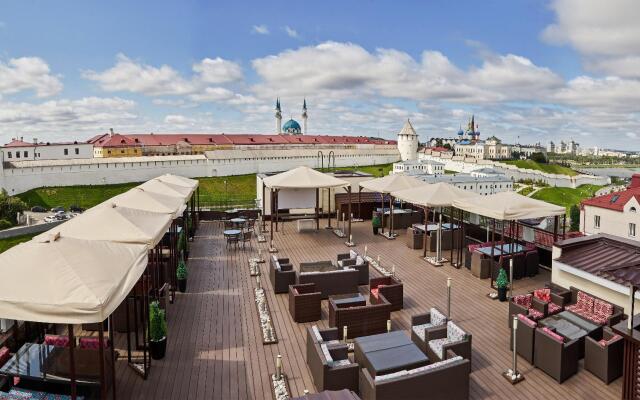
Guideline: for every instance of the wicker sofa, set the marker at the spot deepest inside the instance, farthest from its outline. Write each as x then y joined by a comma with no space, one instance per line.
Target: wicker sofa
304,302
281,274
443,380
536,305
353,260
337,281
557,358
330,366
390,287
369,319
422,322
594,309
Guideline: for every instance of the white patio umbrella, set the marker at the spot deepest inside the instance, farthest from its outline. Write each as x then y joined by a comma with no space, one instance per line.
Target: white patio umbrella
387,185
167,189
140,199
439,195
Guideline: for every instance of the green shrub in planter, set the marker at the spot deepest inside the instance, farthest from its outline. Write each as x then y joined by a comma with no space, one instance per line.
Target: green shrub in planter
181,275
157,331
376,223
501,283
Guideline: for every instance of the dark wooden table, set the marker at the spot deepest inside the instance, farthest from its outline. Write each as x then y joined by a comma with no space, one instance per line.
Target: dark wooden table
349,300
387,353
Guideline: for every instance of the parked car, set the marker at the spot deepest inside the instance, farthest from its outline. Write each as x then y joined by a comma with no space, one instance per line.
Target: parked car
50,218
76,209
38,209
57,209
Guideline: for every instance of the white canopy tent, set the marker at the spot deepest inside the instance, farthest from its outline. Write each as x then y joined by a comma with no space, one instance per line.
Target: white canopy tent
179,181
117,224
387,185
302,178
439,195
167,189
66,280
140,199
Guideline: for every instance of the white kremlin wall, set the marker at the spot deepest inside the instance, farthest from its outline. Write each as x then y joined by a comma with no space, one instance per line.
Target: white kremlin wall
20,176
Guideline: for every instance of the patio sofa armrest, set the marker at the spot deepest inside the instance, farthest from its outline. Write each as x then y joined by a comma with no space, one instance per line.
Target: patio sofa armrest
461,348
616,317
348,262
375,282
343,256
540,305
559,299
283,260
339,352
304,288
436,332
286,267
420,319
330,334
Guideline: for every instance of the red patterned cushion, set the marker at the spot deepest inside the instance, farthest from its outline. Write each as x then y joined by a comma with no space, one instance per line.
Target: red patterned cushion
374,292
553,335
554,308
526,321
535,314
92,343
55,340
585,302
605,342
543,294
4,355
602,308
523,300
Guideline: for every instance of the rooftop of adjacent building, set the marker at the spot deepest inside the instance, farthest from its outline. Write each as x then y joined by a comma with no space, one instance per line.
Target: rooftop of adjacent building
616,201
460,178
19,142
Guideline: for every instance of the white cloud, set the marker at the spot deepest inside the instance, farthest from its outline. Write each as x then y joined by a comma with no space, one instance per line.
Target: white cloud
28,73
179,120
66,119
606,33
291,32
260,29
217,71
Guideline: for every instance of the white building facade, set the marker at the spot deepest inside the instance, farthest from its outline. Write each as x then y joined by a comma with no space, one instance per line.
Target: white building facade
418,167
18,149
616,214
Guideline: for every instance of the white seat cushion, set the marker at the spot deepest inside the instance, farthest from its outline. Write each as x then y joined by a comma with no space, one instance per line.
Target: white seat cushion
437,345
437,318
419,330
398,374
326,353
317,334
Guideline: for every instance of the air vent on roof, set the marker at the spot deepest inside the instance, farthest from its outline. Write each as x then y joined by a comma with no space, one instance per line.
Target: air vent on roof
211,140
136,140
122,141
186,140
271,139
614,198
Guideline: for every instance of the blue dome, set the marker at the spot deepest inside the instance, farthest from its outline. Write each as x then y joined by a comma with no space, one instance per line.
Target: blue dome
291,126
460,132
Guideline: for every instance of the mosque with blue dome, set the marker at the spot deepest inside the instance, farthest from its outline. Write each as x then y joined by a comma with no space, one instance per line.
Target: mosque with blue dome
291,127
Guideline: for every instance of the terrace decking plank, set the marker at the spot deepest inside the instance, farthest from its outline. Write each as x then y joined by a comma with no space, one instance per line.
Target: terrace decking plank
215,345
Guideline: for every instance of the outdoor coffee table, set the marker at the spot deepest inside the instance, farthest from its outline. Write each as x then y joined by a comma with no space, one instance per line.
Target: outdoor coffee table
232,232
348,300
388,352
564,327
238,221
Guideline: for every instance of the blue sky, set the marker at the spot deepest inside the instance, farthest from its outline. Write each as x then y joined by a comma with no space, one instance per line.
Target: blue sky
530,70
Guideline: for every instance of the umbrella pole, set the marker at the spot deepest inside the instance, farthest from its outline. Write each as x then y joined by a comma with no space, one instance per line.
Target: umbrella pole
72,362
112,339
317,206
271,222
439,242
382,213
426,224
359,204
453,237
391,207
103,386
493,247
349,237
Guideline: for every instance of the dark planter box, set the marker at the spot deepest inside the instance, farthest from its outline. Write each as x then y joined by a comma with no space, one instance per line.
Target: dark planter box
182,285
158,349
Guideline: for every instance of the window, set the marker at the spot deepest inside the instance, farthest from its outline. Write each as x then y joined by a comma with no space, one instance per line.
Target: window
596,221
26,154
632,229
9,154
632,209
66,152
17,154
77,150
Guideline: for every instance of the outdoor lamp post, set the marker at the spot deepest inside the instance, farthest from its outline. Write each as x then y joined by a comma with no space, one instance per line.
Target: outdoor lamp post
279,367
448,298
388,325
344,333
512,374
631,306
511,277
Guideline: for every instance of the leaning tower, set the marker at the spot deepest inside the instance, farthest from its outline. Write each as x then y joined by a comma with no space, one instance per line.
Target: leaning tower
408,142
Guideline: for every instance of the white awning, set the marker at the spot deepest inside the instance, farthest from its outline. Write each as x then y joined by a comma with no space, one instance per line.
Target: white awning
68,281
303,178
117,224
439,194
391,183
167,189
509,206
179,180
140,199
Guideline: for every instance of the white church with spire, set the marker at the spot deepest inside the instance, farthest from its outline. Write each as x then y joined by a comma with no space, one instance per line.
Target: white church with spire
291,127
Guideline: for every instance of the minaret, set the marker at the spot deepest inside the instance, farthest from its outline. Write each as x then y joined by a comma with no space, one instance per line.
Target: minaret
278,117
304,116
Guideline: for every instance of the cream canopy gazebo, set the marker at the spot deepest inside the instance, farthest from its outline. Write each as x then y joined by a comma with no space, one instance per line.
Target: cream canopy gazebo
167,189
302,178
509,206
192,184
435,195
140,199
387,185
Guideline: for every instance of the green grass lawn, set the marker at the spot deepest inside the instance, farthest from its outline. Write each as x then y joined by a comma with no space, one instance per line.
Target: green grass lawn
566,197
548,168
527,190
6,244
218,191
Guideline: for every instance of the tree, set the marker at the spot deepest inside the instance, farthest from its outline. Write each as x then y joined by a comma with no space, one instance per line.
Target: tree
447,146
10,207
538,157
516,155
574,215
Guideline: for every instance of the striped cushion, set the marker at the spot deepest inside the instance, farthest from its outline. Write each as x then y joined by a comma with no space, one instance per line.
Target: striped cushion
527,321
553,335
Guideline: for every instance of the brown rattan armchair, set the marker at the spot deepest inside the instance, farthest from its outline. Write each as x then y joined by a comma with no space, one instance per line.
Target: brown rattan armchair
281,274
422,322
604,358
556,358
304,302
369,319
390,287
330,367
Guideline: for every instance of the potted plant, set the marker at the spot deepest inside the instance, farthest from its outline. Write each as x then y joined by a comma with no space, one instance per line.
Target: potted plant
181,274
501,283
157,331
376,223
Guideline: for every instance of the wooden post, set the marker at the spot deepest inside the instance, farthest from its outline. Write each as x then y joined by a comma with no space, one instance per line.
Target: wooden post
359,203
555,229
564,227
390,215
493,246
382,213
349,212
277,207
72,362
453,236
317,207
264,201
271,219
426,223
103,386
113,354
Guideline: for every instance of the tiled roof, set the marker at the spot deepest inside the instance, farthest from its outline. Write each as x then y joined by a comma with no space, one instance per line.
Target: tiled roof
613,201
114,140
155,139
18,143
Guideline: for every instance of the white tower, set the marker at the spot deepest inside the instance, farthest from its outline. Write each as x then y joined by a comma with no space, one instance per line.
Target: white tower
408,142
304,116
278,117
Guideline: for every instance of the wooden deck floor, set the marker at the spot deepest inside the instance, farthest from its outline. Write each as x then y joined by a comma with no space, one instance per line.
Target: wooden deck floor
215,349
